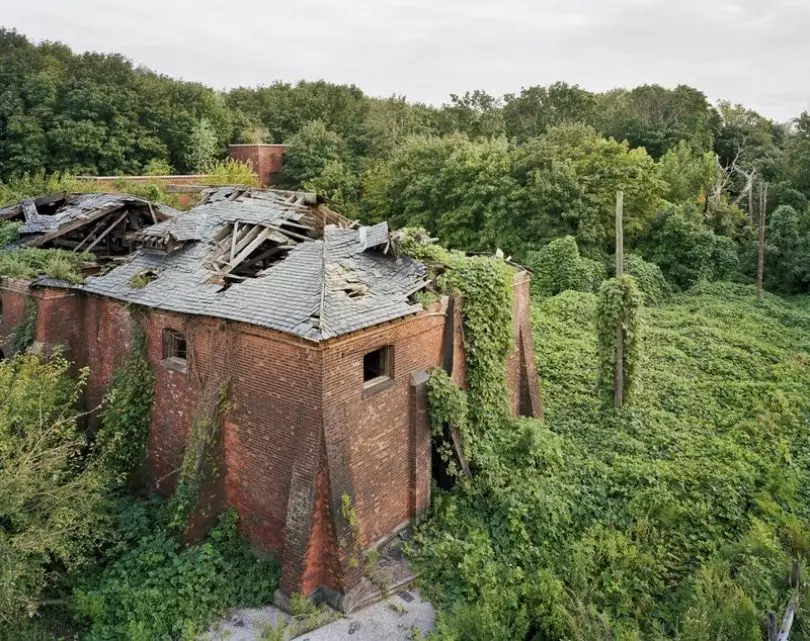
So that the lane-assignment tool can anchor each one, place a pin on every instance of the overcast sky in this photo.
(756, 52)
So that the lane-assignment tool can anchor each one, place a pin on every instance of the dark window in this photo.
(174, 345)
(377, 365)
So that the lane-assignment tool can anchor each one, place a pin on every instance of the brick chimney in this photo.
(265, 159)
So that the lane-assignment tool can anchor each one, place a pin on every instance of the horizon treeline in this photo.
(480, 171)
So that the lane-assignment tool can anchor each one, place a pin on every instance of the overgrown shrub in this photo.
(52, 504)
(618, 305)
(649, 278)
(163, 590)
(122, 439)
(232, 172)
(559, 267)
(9, 232)
(54, 263)
(675, 519)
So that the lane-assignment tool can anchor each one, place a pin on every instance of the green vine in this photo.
(122, 439)
(619, 301)
(196, 460)
(25, 332)
(447, 405)
(484, 284)
(349, 514)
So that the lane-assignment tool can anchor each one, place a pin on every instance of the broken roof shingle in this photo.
(296, 295)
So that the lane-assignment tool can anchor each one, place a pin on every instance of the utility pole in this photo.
(763, 205)
(618, 374)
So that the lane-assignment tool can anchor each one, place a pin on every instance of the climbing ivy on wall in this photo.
(25, 332)
(447, 405)
(484, 284)
(122, 439)
(618, 302)
(197, 459)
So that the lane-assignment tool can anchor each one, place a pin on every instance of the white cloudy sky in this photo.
(752, 51)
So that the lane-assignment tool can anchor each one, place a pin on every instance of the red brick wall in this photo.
(13, 295)
(299, 432)
(369, 439)
(522, 378)
(266, 159)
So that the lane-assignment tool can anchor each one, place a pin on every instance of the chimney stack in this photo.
(265, 159)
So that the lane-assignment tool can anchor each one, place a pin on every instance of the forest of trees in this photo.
(479, 172)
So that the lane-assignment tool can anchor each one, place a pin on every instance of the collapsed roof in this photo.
(269, 258)
(104, 224)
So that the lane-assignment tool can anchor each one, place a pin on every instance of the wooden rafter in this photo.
(106, 231)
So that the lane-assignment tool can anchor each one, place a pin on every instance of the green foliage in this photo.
(458, 189)
(338, 185)
(310, 151)
(231, 172)
(163, 590)
(675, 519)
(618, 305)
(158, 167)
(25, 333)
(197, 464)
(649, 278)
(154, 191)
(559, 267)
(787, 251)
(688, 174)
(485, 286)
(122, 439)
(686, 250)
(203, 147)
(569, 181)
(53, 263)
(9, 232)
(447, 406)
(52, 504)
(447, 403)
(32, 185)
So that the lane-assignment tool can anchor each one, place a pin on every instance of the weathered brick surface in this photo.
(524, 389)
(13, 296)
(265, 159)
(298, 431)
(368, 438)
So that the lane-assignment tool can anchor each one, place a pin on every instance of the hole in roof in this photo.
(110, 231)
(142, 278)
(243, 251)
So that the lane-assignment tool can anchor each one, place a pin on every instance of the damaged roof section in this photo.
(106, 225)
(269, 258)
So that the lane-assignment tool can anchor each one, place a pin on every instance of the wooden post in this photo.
(618, 373)
(763, 204)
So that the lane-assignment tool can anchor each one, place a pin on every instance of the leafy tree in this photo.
(52, 503)
(454, 187)
(686, 250)
(531, 113)
(338, 185)
(310, 151)
(657, 118)
(476, 114)
(689, 176)
(570, 178)
(787, 255)
(203, 147)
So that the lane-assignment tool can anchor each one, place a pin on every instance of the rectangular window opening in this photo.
(377, 367)
(174, 345)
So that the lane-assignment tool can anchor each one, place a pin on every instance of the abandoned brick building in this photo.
(310, 323)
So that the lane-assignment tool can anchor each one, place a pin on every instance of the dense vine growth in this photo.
(678, 518)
